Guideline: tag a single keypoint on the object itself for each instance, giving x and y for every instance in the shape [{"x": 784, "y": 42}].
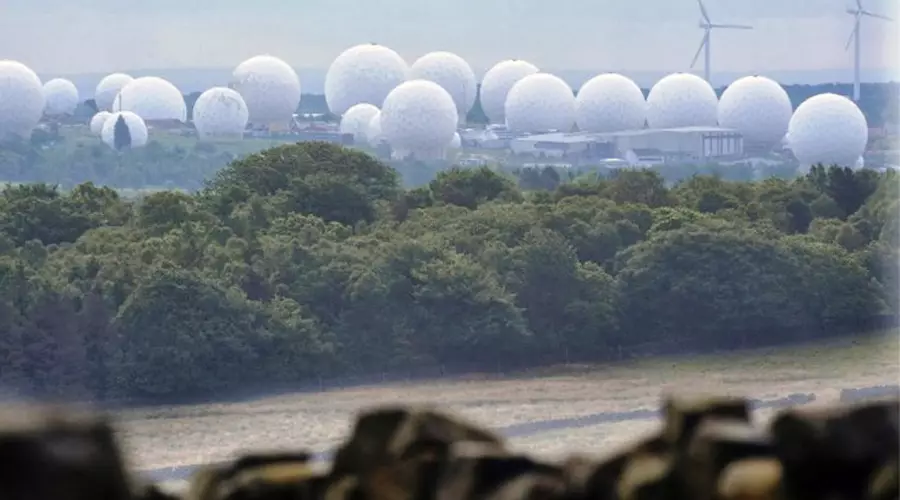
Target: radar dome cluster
[
  {"x": 419, "y": 118},
  {"x": 270, "y": 88},
  {"x": 109, "y": 88},
  {"x": 682, "y": 100},
  {"x": 452, "y": 73},
  {"x": 828, "y": 129},
  {"x": 137, "y": 129},
  {"x": 60, "y": 96},
  {"x": 21, "y": 99},
  {"x": 363, "y": 74},
  {"x": 610, "y": 103},
  {"x": 497, "y": 83},
  {"x": 356, "y": 121},
  {"x": 153, "y": 99},
  {"x": 540, "y": 102},
  {"x": 220, "y": 112},
  {"x": 758, "y": 107}
]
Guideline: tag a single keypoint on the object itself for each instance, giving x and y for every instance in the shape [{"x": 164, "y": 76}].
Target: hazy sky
[{"x": 65, "y": 36}]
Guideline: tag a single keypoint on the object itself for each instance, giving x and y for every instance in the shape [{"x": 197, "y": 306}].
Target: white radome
[
  {"x": 497, "y": 83},
  {"x": 452, "y": 73},
  {"x": 610, "y": 103},
  {"x": 220, "y": 112},
  {"x": 270, "y": 88},
  {"x": 682, "y": 100},
  {"x": 860, "y": 163},
  {"x": 152, "y": 98},
  {"x": 60, "y": 97},
  {"x": 356, "y": 121},
  {"x": 419, "y": 117},
  {"x": 136, "y": 127},
  {"x": 109, "y": 88},
  {"x": 758, "y": 107},
  {"x": 373, "y": 131},
  {"x": 21, "y": 99},
  {"x": 828, "y": 129},
  {"x": 98, "y": 120},
  {"x": 540, "y": 102},
  {"x": 456, "y": 142},
  {"x": 363, "y": 74}
]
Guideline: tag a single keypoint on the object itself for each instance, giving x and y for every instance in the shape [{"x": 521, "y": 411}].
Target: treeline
[{"x": 310, "y": 260}]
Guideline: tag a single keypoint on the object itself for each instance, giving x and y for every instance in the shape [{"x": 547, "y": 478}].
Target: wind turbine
[
  {"x": 708, "y": 26},
  {"x": 858, "y": 14}
]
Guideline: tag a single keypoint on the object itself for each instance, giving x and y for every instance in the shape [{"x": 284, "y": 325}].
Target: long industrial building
[{"x": 688, "y": 144}]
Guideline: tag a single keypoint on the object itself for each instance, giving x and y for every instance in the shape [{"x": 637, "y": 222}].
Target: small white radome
[
  {"x": 610, "y": 103},
  {"x": 363, "y": 74},
  {"x": 419, "y": 117},
  {"x": 540, "y": 102},
  {"x": 497, "y": 83},
  {"x": 373, "y": 131},
  {"x": 682, "y": 100},
  {"x": 758, "y": 107},
  {"x": 153, "y": 99},
  {"x": 452, "y": 73},
  {"x": 270, "y": 89},
  {"x": 456, "y": 142},
  {"x": 828, "y": 129},
  {"x": 136, "y": 128},
  {"x": 60, "y": 97},
  {"x": 356, "y": 121},
  {"x": 98, "y": 120},
  {"x": 21, "y": 99},
  {"x": 220, "y": 112},
  {"x": 109, "y": 88}
]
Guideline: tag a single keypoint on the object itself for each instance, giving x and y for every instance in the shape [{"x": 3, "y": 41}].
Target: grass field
[{"x": 184, "y": 435}]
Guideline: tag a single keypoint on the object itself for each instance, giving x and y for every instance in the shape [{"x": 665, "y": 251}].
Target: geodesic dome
[
  {"x": 373, "y": 131},
  {"x": 828, "y": 129},
  {"x": 109, "y": 88},
  {"x": 220, "y": 112},
  {"x": 497, "y": 83},
  {"x": 153, "y": 99},
  {"x": 98, "y": 120},
  {"x": 540, "y": 102},
  {"x": 452, "y": 73},
  {"x": 356, "y": 121},
  {"x": 60, "y": 97},
  {"x": 419, "y": 117},
  {"x": 758, "y": 107},
  {"x": 363, "y": 74},
  {"x": 136, "y": 127},
  {"x": 21, "y": 99},
  {"x": 270, "y": 88},
  {"x": 682, "y": 100},
  {"x": 610, "y": 103}
]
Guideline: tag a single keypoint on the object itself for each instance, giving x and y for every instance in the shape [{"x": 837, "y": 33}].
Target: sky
[{"x": 82, "y": 36}]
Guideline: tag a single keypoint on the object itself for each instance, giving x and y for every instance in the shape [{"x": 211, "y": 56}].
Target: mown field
[{"x": 186, "y": 435}]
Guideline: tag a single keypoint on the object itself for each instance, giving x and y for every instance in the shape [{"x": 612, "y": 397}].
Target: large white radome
[
  {"x": 682, "y": 100},
  {"x": 60, "y": 97},
  {"x": 363, "y": 74},
  {"x": 21, "y": 99},
  {"x": 98, "y": 120},
  {"x": 152, "y": 98},
  {"x": 136, "y": 127},
  {"x": 452, "y": 73},
  {"x": 419, "y": 117},
  {"x": 540, "y": 102},
  {"x": 497, "y": 83},
  {"x": 610, "y": 103},
  {"x": 220, "y": 112},
  {"x": 373, "y": 132},
  {"x": 758, "y": 107},
  {"x": 356, "y": 121},
  {"x": 109, "y": 88},
  {"x": 828, "y": 129},
  {"x": 270, "y": 88}
]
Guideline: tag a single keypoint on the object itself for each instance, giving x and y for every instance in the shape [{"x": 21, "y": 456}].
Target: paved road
[{"x": 541, "y": 426}]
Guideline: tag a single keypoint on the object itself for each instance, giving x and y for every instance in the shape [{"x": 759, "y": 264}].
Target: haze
[{"x": 96, "y": 36}]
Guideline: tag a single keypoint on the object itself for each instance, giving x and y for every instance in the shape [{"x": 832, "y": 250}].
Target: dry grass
[{"x": 194, "y": 434}]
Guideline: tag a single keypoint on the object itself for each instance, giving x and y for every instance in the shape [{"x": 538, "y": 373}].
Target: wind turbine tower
[
  {"x": 707, "y": 25},
  {"x": 858, "y": 14}
]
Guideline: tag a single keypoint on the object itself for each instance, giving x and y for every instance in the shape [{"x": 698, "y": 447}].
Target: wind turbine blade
[
  {"x": 704, "y": 13},
  {"x": 732, "y": 26},
  {"x": 859, "y": 4},
  {"x": 703, "y": 43},
  {"x": 852, "y": 34},
  {"x": 877, "y": 16}
]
